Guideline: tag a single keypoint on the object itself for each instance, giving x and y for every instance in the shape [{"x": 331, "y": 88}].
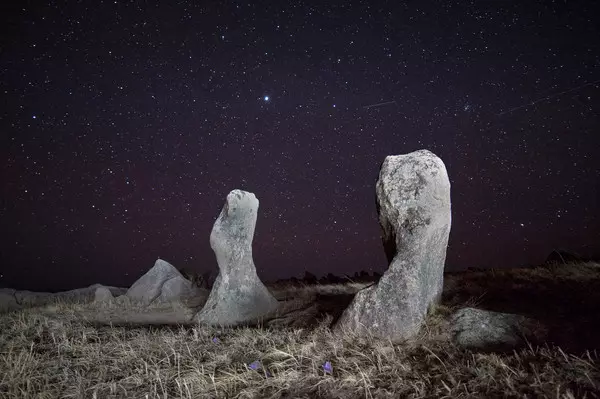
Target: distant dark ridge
[{"x": 330, "y": 278}]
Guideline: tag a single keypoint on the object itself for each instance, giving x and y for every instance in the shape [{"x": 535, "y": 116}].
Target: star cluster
[{"x": 125, "y": 124}]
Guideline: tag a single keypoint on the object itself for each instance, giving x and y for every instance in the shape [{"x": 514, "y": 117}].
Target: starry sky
[{"x": 124, "y": 125}]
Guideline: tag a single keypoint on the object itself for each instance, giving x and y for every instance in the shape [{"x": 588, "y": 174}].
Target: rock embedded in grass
[
  {"x": 413, "y": 203},
  {"x": 103, "y": 296},
  {"x": 238, "y": 296},
  {"x": 485, "y": 330}
]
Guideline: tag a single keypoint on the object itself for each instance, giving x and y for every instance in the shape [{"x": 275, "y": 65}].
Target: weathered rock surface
[
  {"x": 484, "y": 330},
  {"x": 176, "y": 288},
  {"x": 238, "y": 295},
  {"x": 162, "y": 283},
  {"x": 413, "y": 202},
  {"x": 103, "y": 297}
]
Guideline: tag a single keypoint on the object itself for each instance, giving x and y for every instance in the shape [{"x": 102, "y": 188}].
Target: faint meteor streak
[
  {"x": 548, "y": 97},
  {"x": 379, "y": 104}
]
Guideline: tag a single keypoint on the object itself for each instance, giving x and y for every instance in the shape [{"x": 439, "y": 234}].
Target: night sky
[{"x": 124, "y": 125}]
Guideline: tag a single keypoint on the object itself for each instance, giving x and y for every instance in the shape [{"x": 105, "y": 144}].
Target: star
[{"x": 147, "y": 158}]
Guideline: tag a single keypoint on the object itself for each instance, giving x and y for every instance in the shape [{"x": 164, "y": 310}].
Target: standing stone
[
  {"x": 162, "y": 283},
  {"x": 238, "y": 295},
  {"x": 413, "y": 202}
]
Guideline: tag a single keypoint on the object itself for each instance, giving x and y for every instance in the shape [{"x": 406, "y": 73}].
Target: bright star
[{"x": 266, "y": 98}]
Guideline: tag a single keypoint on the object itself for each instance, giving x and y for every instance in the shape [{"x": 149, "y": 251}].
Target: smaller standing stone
[{"x": 238, "y": 295}]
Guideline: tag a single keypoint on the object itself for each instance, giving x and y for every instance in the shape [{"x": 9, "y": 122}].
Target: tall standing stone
[
  {"x": 238, "y": 295},
  {"x": 413, "y": 202}
]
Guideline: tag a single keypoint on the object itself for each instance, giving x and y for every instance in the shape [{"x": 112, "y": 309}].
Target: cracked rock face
[
  {"x": 238, "y": 295},
  {"x": 162, "y": 283},
  {"x": 413, "y": 203}
]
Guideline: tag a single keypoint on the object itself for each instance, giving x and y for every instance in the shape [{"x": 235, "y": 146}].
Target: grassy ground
[{"x": 65, "y": 351}]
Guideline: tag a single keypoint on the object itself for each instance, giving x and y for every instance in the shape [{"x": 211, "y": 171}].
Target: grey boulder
[
  {"x": 103, "y": 296},
  {"x": 238, "y": 296},
  {"x": 413, "y": 203},
  {"x": 485, "y": 330},
  {"x": 177, "y": 288},
  {"x": 162, "y": 283}
]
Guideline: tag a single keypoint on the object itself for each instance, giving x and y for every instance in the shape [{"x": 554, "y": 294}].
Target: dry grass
[{"x": 53, "y": 353}]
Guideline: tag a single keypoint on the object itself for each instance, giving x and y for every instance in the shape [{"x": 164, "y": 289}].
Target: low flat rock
[
  {"x": 11, "y": 299},
  {"x": 86, "y": 294},
  {"x": 485, "y": 330}
]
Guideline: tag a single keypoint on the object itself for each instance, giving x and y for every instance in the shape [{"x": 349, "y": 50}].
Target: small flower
[
  {"x": 254, "y": 365},
  {"x": 216, "y": 340},
  {"x": 327, "y": 367}
]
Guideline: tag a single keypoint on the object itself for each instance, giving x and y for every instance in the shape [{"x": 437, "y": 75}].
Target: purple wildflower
[
  {"x": 327, "y": 367},
  {"x": 254, "y": 365},
  {"x": 216, "y": 340}
]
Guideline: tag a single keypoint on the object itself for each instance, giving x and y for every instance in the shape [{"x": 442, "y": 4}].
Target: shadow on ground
[{"x": 564, "y": 298}]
